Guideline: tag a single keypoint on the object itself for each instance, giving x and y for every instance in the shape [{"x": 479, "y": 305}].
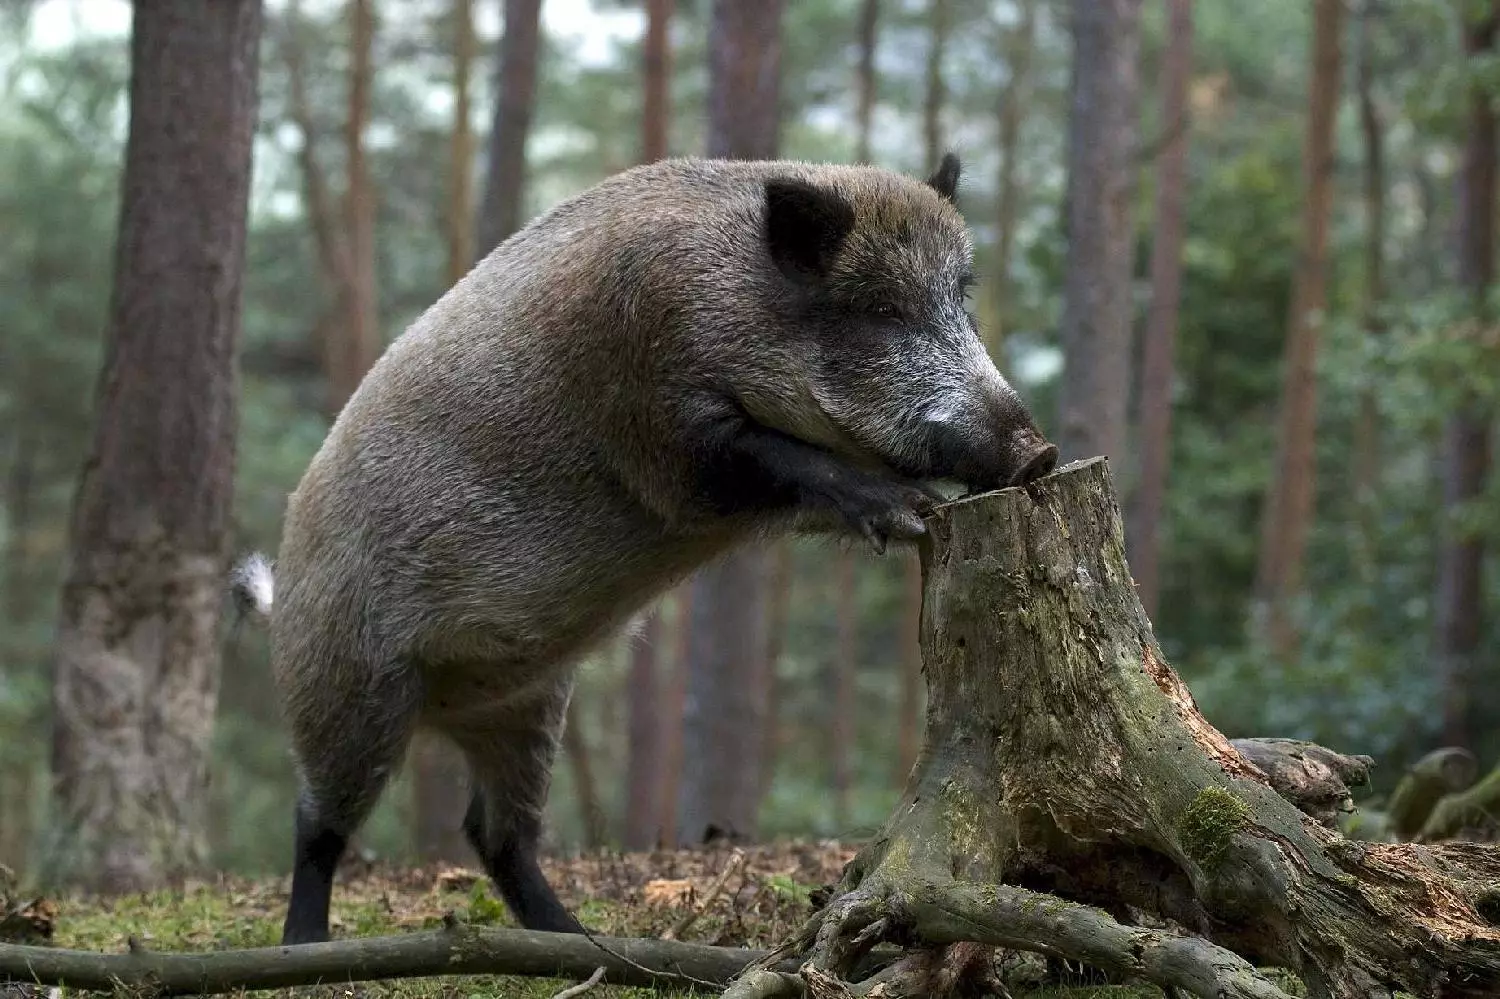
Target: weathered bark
[
  {"x": 656, "y": 79},
  {"x": 1315, "y": 779},
  {"x": 909, "y": 718},
  {"x": 1466, "y": 439},
  {"x": 1066, "y": 773},
  {"x": 136, "y": 675},
  {"x": 841, "y": 702},
  {"x": 1155, "y": 397},
  {"x": 1289, "y": 494},
  {"x": 725, "y": 708},
  {"x": 938, "y": 18},
  {"x": 439, "y": 785},
  {"x": 1441, "y": 772},
  {"x": 453, "y": 950},
  {"x": 20, "y": 494},
  {"x": 585, "y": 787},
  {"x": 515, "y": 102},
  {"x": 865, "y": 83},
  {"x": 1013, "y": 101},
  {"x": 1096, "y": 311},
  {"x": 643, "y": 768}
]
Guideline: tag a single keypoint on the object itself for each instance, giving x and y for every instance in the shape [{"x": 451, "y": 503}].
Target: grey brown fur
[{"x": 688, "y": 355}]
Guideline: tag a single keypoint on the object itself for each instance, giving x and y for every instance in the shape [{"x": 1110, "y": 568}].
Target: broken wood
[
  {"x": 1315, "y": 779},
  {"x": 1067, "y": 780},
  {"x": 454, "y": 950}
]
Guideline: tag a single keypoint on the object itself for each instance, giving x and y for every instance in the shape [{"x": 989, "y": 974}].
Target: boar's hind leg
[
  {"x": 511, "y": 760},
  {"x": 347, "y": 745}
]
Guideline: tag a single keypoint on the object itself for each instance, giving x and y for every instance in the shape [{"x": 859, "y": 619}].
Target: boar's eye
[{"x": 885, "y": 310}]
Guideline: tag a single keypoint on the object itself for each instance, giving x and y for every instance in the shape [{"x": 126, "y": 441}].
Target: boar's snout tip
[{"x": 1041, "y": 463}]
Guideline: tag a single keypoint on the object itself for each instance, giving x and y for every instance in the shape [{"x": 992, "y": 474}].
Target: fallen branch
[
  {"x": 454, "y": 950},
  {"x": 677, "y": 929},
  {"x": 577, "y": 990}
]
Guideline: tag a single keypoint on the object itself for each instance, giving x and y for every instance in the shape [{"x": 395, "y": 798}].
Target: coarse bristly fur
[{"x": 691, "y": 354}]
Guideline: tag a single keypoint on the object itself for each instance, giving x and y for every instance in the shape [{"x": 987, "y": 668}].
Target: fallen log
[
  {"x": 454, "y": 950},
  {"x": 1441, "y": 772},
  {"x": 1473, "y": 813},
  {"x": 1067, "y": 779}
]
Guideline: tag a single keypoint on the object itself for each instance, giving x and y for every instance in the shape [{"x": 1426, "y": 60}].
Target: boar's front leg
[{"x": 745, "y": 467}]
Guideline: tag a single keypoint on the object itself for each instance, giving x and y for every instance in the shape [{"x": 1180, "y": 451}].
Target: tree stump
[{"x": 1067, "y": 783}]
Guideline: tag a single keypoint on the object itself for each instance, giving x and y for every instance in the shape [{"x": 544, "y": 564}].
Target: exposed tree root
[{"x": 1066, "y": 767}]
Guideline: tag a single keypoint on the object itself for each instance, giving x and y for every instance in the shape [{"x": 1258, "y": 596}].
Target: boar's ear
[
  {"x": 805, "y": 226},
  {"x": 944, "y": 179}
]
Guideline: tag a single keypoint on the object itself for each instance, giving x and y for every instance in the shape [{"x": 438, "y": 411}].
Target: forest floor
[{"x": 640, "y": 894}]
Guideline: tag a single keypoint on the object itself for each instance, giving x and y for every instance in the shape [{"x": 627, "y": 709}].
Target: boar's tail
[{"x": 252, "y": 586}]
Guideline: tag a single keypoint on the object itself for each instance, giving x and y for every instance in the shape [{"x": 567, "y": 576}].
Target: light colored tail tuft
[{"x": 252, "y": 584}]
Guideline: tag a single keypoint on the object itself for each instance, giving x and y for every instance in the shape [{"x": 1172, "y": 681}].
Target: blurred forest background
[{"x": 1271, "y": 309}]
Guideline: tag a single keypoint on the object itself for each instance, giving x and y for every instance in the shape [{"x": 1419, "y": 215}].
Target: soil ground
[{"x": 640, "y": 894}]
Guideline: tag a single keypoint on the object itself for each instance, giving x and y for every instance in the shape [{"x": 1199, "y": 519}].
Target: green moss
[{"x": 1208, "y": 824}]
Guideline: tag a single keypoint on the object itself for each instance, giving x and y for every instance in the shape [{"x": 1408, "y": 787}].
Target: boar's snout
[
  {"x": 1042, "y": 462},
  {"x": 993, "y": 451}
]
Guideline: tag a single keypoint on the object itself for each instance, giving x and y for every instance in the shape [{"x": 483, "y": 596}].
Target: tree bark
[
  {"x": 938, "y": 17},
  {"x": 656, "y": 80},
  {"x": 1096, "y": 311},
  {"x": 725, "y": 708},
  {"x": 515, "y": 87},
  {"x": 1067, "y": 774},
  {"x": 439, "y": 785},
  {"x": 136, "y": 675},
  {"x": 1013, "y": 100},
  {"x": 1466, "y": 439},
  {"x": 643, "y": 775},
  {"x": 1289, "y": 495},
  {"x": 866, "y": 81},
  {"x": 1155, "y": 401}
]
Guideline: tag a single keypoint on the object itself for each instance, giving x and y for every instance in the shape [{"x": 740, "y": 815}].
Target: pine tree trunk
[
  {"x": 1096, "y": 309},
  {"x": 1289, "y": 498},
  {"x": 1013, "y": 100},
  {"x": 136, "y": 675},
  {"x": 841, "y": 720},
  {"x": 1367, "y": 425},
  {"x": 515, "y": 79},
  {"x": 778, "y": 599},
  {"x": 361, "y": 335},
  {"x": 1066, "y": 775},
  {"x": 1161, "y": 324},
  {"x": 725, "y": 707},
  {"x": 1466, "y": 439},
  {"x": 671, "y": 714},
  {"x": 461, "y": 147},
  {"x": 866, "y": 83},
  {"x": 644, "y": 771},
  {"x": 909, "y": 718},
  {"x": 585, "y": 787},
  {"x": 938, "y": 17},
  {"x": 656, "y": 81},
  {"x": 440, "y": 792}
]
